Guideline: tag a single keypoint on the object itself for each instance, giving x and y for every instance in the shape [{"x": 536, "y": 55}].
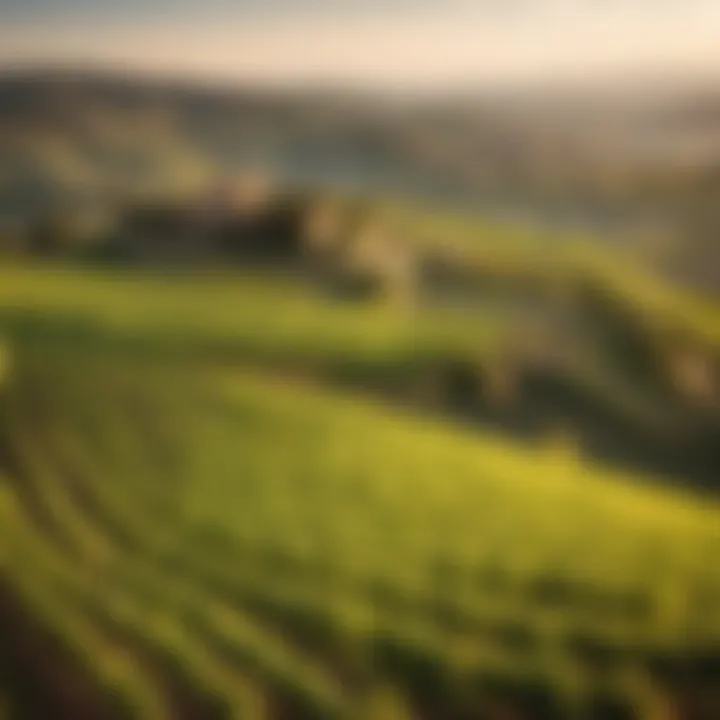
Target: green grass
[
  {"x": 266, "y": 540},
  {"x": 266, "y": 318},
  {"x": 566, "y": 258}
]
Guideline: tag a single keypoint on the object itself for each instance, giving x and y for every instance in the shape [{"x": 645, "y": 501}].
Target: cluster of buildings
[{"x": 251, "y": 223}]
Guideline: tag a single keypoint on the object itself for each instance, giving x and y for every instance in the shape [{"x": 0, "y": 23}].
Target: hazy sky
[{"x": 401, "y": 43}]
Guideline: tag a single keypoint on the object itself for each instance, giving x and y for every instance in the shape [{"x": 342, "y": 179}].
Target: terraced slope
[
  {"x": 262, "y": 318},
  {"x": 190, "y": 540},
  {"x": 586, "y": 361}
]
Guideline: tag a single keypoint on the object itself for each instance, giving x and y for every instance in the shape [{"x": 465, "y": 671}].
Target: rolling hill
[
  {"x": 190, "y": 537},
  {"x": 199, "y": 521},
  {"x": 637, "y": 172}
]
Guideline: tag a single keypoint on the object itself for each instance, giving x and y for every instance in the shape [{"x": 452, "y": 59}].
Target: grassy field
[
  {"x": 282, "y": 322},
  {"x": 565, "y": 258},
  {"x": 247, "y": 315},
  {"x": 188, "y": 536}
]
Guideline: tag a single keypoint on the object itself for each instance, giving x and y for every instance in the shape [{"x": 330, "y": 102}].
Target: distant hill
[{"x": 636, "y": 169}]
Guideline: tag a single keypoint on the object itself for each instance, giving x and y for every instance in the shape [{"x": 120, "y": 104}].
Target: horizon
[{"x": 650, "y": 85}]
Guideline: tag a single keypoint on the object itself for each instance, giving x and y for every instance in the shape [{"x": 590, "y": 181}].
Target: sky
[{"x": 393, "y": 44}]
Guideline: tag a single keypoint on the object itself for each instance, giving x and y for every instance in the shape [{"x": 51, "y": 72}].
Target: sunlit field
[{"x": 196, "y": 525}]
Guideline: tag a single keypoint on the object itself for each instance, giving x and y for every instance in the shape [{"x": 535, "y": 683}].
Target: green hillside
[
  {"x": 266, "y": 316},
  {"x": 194, "y": 526}
]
